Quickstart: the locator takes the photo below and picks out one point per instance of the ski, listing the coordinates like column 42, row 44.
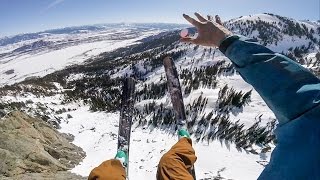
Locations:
column 176, row 97
column 125, row 122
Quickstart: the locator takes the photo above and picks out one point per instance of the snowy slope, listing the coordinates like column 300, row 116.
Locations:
column 276, row 32
column 148, row 147
column 96, row 133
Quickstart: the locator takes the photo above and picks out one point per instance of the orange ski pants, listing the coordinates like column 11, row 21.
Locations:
column 173, row 165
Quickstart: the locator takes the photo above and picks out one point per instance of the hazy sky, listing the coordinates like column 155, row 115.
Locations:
column 21, row 16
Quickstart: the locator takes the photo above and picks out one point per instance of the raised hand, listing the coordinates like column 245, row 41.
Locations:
column 210, row 33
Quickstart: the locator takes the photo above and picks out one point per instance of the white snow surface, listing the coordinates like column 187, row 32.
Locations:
column 257, row 17
column 41, row 64
column 97, row 132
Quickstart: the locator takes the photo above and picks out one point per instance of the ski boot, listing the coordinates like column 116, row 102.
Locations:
column 123, row 158
column 183, row 133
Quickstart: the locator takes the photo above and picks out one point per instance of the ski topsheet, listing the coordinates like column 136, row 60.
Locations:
column 176, row 97
column 127, row 103
column 175, row 92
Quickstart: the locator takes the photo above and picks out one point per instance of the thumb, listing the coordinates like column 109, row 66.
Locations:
column 218, row 20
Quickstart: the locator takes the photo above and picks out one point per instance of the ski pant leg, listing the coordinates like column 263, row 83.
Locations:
column 108, row 170
column 175, row 164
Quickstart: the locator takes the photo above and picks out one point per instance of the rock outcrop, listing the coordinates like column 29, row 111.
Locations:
column 32, row 149
column 60, row 175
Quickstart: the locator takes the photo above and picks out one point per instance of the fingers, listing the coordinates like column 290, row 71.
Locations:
column 202, row 19
column 218, row 20
column 192, row 21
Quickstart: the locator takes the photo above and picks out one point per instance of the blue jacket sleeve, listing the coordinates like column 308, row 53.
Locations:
column 293, row 94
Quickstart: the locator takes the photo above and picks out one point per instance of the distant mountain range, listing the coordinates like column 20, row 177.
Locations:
column 83, row 29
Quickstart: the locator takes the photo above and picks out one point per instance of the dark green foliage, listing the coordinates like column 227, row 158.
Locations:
column 318, row 56
column 219, row 125
column 102, row 93
column 13, row 105
column 205, row 77
column 228, row 99
column 223, row 129
column 152, row 91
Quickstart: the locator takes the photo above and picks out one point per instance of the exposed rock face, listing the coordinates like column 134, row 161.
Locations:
column 29, row 145
column 63, row 175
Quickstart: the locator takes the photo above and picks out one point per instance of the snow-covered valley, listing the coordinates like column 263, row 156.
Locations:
column 49, row 52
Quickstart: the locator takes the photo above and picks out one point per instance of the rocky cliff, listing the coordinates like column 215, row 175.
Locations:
column 32, row 149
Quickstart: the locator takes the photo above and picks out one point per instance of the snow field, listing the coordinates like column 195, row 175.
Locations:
column 96, row 133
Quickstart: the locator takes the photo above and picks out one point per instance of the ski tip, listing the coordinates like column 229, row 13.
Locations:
column 167, row 59
column 129, row 81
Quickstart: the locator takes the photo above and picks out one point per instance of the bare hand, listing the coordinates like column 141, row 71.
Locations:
column 210, row 33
